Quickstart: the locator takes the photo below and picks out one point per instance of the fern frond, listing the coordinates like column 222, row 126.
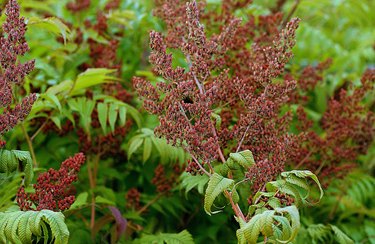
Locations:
column 320, row 233
column 340, row 236
column 146, row 140
column 189, row 182
column 184, row 237
column 362, row 188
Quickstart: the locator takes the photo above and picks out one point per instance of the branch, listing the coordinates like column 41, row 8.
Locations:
column 145, row 207
column 30, row 144
column 200, row 87
column 221, row 154
column 236, row 208
column 40, row 129
column 200, row 166
column 243, row 137
column 291, row 12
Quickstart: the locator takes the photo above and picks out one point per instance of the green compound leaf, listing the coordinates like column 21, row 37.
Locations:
column 122, row 115
column 189, row 182
column 134, row 144
column 51, row 24
column 103, row 116
column 13, row 160
column 9, row 186
column 80, row 201
column 147, row 149
column 85, row 108
column 294, row 183
column 23, row 226
column 302, row 174
column 340, row 236
column 279, row 226
column 216, row 185
column 243, row 158
column 318, row 233
column 113, row 111
column 184, row 237
column 93, row 77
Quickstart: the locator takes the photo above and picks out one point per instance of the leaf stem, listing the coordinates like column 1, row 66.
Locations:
column 92, row 221
column 92, row 172
column 236, row 208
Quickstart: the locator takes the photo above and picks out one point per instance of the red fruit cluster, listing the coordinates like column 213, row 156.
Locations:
column 236, row 71
column 349, row 130
column 112, row 4
column 53, row 189
column 103, row 55
column 193, row 168
column 225, row 78
column 2, row 143
column 78, row 5
column 108, row 145
column 133, row 197
column 163, row 181
column 13, row 44
column 307, row 81
column 284, row 199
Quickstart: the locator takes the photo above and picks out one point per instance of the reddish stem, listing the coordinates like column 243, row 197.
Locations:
column 236, row 208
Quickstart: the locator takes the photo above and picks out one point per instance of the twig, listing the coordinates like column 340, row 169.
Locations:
column 263, row 188
column 92, row 177
column 39, row 130
column 221, row 154
column 243, row 137
column 291, row 12
column 92, row 222
column 91, row 173
column 278, row 7
column 304, row 159
column 145, row 207
column 91, row 181
column 96, row 164
column 199, row 85
column 202, row 92
column 200, row 166
column 240, row 182
column 210, row 166
column 30, row 144
column 184, row 113
column 235, row 206
column 334, row 209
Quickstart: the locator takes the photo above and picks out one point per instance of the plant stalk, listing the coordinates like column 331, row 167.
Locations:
column 30, row 144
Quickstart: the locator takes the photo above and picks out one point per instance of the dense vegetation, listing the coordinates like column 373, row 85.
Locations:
column 173, row 121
